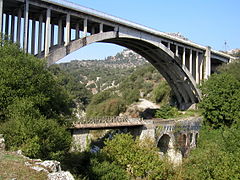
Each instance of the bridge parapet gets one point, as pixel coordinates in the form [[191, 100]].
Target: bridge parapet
[[107, 122]]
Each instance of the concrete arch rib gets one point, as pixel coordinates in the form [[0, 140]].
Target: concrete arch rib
[[148, 54], [180, 80]]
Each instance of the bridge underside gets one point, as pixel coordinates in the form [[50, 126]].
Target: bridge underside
[[165, 61]]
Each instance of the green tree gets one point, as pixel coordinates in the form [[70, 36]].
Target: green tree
[[161, 93], [138, 158], [24, 76], [221, 105], [216, 157], [166, 112], [30, 131], [33, 106]]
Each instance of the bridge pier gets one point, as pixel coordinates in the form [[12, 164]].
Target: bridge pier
[[81, 139], [1, 15], [207, 62], [26, 26]]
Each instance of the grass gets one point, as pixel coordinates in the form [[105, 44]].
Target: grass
[[190, 113], [12, 166]]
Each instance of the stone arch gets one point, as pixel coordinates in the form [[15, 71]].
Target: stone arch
[[162, 58], [191, 138], [164, 143], [196, 139]]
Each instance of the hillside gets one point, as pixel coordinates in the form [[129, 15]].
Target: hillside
[[108, 87], [99, 75]]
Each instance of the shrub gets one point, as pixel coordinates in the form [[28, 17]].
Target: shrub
[[167, 112], [24, 76], [221, 105], [161, 93], [138, 158], [106, 170], [37, 136], [217, 155], [110, 107]]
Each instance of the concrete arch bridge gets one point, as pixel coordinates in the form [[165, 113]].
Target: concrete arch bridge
[[52, 29]]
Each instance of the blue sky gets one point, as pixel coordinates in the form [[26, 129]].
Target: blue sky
[[206, 22]]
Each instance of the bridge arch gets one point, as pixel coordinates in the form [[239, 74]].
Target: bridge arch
[[163, 59], [164, 143]]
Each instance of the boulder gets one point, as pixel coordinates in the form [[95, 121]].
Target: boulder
[[63, 175], [51, 166], [2, 143]]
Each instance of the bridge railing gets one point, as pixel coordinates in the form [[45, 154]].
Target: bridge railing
[[107, 120]]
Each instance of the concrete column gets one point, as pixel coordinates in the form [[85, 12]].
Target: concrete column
[[201, 67], [47, 32], [184, 57], [197, 68], [60, 32], [207, 62], [101, 28], [19, 25], [33, 37], [190, 62], [168, 45], [77, 31], [12, 27], [68, 30], [26, 26], [176, 53], [1, 15], [6, 27], [52, 35], [93, 30], [85, 27], [40, 31]]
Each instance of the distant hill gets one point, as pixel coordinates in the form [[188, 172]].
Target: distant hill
[[98, 75], [108, 87]]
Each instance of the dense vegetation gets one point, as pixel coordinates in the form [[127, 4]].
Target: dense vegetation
[[35, 103], [218, 152], [121, 158], [33, 107]]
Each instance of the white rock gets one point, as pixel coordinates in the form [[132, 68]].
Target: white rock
[[63, 175], [39, 169], [52, 166], [19, 152]]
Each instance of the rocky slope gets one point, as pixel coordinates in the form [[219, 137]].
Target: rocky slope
[[99, 75]]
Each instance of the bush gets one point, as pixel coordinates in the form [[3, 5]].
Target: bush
[[24, 76], [33, 106], [167, 112], [161, 93], [221, 105], [217, 155], [131, 95], [138, 158], [106, 170], [37, 136], [110, 107]]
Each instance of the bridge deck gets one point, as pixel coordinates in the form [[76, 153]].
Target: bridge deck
[[107, 125]]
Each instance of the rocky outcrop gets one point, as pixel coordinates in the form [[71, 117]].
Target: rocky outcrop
[[63, 175], [2, 143], [51, 167]]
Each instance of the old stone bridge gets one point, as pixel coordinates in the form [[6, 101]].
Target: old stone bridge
[[173, 137], [55, 28]]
